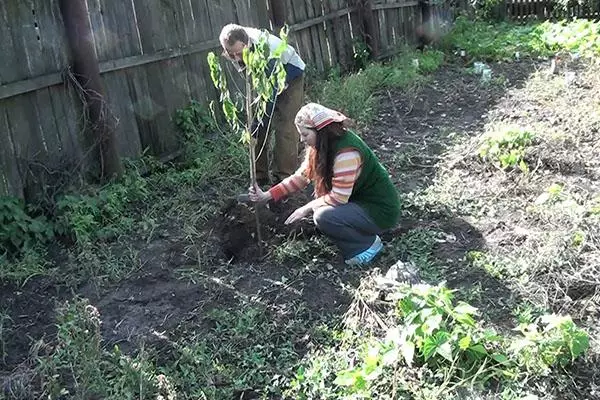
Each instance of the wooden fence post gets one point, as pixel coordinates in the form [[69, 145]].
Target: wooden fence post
[[87, 72], [368, 29], [263, 15], [277, 14]]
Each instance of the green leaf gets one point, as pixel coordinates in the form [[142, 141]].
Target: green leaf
[[465, 319], [478, 348], [445, 350], [432, 323], [373, 356], [464, 343], [408, 352], [500, 358], [464, 308], [429, 347], [230, 111], [579, 343], [432, 344], [346, 378], [523, 166]]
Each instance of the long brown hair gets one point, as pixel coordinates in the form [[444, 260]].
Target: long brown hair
[[320, 157]]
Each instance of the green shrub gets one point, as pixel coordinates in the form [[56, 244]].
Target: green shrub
[[506, 147], [104, 212], [18, 230]]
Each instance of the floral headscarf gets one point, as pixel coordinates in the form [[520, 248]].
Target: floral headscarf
[[316, 116]]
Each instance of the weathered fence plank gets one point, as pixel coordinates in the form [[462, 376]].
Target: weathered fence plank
[[10, 182], [153, 61], [335, 58]]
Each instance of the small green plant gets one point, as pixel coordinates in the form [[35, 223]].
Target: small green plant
[[194, 120], [361, 54], [550, 341], [430, 61], [578, 238], [506, 148], [433, 331], [430, 331], [103, 213], [18, 230], [555, 191]]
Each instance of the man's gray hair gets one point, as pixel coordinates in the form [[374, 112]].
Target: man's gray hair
[[232, 33]]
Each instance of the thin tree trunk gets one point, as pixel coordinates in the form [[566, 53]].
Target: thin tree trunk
[[87, 72], [252, 156]]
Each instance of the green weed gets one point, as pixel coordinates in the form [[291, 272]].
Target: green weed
[[194, 121], [355, 94], [19, 230], [104, 212], [446, 343], [79, 368], [550, 341], [500, 41], [506, 148], [30, 263]]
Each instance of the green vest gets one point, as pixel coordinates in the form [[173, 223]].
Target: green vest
[[373, 190]]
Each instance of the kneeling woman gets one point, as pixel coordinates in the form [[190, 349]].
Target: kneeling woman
[[355, 199]]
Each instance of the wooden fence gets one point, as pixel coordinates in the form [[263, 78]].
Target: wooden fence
[[152, 59]]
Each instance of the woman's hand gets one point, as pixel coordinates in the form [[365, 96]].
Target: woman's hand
[[256, 194], [298, 214]]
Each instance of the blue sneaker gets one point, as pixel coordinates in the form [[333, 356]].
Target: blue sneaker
[[368, 255]]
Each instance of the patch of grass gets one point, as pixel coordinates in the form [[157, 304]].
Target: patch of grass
[[304, 252], [100, 263], [415, 246], [32, 262], [484, 41], [101, 213], [77, 366], [247, 351], [355, 94], [506, 147]]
